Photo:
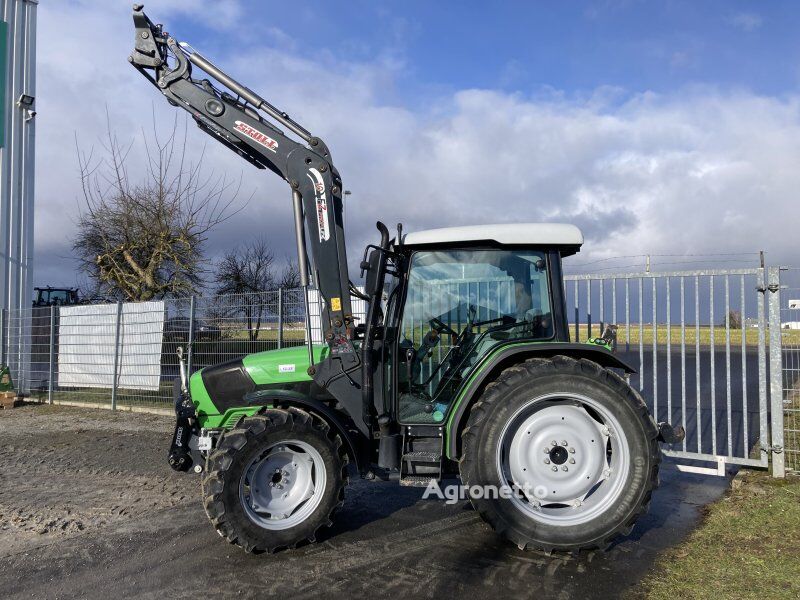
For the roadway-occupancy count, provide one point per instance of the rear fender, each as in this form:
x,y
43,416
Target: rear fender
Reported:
x,y
504,357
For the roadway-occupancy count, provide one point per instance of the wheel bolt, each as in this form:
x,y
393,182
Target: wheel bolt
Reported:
x,y
547,461
554,443
572,450
564,468
547,450
555,468
563,442
572,461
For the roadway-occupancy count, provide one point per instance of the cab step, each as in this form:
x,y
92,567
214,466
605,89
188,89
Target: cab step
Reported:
x,y
417,480
422,456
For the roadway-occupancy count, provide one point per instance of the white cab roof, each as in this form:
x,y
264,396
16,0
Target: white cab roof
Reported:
x,y
514,234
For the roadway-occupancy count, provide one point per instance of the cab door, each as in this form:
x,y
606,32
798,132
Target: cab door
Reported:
x,y
459,305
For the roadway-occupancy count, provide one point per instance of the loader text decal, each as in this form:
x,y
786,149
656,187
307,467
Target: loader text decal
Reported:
x,y
322,205
256,136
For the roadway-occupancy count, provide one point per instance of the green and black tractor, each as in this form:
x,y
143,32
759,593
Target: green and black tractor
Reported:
x,y
462,368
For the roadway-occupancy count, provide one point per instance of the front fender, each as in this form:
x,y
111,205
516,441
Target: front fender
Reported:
x,y
355,442
504,357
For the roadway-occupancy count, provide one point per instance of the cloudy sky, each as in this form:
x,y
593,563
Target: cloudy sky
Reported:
x,y
669,128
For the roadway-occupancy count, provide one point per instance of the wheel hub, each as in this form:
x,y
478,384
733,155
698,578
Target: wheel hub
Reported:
x,y
558,455
563,458
279,486
553,478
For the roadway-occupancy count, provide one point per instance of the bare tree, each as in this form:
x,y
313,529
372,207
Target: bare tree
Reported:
x,y
734,319
248,270
142,238
290,276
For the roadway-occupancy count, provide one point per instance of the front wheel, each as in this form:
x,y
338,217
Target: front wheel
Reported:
x,y
274,480
569,449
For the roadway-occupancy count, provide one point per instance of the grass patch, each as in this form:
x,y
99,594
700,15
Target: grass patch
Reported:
x,y
748,546
692,335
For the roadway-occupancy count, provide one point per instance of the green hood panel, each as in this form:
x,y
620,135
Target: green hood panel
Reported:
x,y
288,365
273,367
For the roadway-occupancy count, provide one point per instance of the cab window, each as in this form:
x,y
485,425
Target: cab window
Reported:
x,y
459,305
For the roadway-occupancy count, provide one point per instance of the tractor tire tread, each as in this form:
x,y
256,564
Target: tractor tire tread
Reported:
x,y
238,439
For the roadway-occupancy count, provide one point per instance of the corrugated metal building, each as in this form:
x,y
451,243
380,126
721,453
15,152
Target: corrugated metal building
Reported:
x,y
17,128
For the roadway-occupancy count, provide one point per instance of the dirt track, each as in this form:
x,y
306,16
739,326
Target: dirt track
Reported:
x,y
88,505
66,471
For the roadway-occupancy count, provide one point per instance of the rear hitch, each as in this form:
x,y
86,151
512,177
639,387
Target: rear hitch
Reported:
x,y
667,434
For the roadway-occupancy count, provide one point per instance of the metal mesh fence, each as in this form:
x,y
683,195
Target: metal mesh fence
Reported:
x,y
698,340
790,354
125,354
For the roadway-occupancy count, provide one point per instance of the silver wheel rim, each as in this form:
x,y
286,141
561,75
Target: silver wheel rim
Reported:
x,y
283,484
565,458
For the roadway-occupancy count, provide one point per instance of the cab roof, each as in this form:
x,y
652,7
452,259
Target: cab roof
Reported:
x,y
561,235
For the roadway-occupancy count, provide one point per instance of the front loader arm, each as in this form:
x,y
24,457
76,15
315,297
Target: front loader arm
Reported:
x,y
241,120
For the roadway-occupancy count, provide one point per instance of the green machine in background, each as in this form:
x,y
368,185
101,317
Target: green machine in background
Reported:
x,y
6,383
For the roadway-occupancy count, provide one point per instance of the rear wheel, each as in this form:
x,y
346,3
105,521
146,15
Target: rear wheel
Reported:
x,y
274,480
574,446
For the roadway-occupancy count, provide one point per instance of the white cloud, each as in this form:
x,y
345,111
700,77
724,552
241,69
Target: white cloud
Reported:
x,y
746,21
701,170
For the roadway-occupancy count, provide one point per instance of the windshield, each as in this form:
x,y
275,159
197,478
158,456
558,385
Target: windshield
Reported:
x,y
459,287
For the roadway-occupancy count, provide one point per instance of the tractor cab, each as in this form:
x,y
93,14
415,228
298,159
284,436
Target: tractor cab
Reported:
x,y
468,290
50,296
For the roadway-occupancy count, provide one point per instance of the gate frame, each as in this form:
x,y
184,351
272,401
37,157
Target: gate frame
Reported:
x,y
768,442
775,447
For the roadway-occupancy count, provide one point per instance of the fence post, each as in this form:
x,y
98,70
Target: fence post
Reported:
x,y
3,322
776,373
190,349
116,357
52,370
280,318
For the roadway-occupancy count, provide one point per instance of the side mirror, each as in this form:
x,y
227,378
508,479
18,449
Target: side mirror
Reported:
x,y
371,284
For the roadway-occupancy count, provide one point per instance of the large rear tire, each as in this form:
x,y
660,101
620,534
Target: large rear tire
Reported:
x,y
572,443
274,480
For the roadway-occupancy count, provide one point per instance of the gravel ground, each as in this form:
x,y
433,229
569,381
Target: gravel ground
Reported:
x,y
88,505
